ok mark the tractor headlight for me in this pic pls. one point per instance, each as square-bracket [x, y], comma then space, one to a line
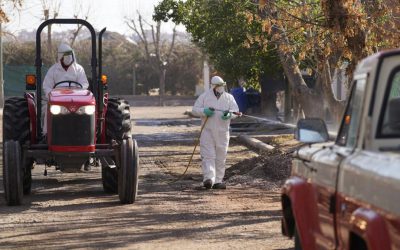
[57, 109]
[87, 110]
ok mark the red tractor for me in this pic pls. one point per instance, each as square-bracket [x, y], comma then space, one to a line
[83, 126]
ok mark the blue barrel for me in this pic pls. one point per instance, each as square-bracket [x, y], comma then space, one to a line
[241, 98]
[254, 98]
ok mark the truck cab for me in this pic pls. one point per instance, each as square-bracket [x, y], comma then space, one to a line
[346, 194]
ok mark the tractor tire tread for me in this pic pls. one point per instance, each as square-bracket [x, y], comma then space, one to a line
[118, 127]
[117, 119]
[16, 126]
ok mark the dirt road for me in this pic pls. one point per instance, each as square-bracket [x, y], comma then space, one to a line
[69, 210]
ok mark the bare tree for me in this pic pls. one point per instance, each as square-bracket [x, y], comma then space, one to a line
[79, 12]
[155, 51]
[51, 9]
[16, 4]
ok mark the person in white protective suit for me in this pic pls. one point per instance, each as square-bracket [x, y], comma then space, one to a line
[214, 140]
[66, 69]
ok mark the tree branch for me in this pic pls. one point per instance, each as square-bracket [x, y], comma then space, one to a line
[171, 48]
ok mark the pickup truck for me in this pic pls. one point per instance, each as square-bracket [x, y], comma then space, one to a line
[346, 194]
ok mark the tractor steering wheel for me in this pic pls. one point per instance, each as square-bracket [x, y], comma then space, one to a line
[69, 84]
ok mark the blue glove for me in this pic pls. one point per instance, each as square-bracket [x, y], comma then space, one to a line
[226, 116]
[208, 112]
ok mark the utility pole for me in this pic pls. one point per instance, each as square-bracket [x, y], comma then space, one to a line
[162, 82]
[134, 76]
[1, 67]
[206, 75]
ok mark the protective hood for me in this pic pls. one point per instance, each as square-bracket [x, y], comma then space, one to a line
[65, 48]
[216, 80]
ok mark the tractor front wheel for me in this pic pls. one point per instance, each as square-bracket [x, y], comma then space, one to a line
[12, 173]
[128, 171]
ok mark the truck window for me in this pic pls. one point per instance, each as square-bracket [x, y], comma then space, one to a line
[347, 135]
[389, 125]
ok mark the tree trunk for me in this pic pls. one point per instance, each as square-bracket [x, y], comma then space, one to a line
[335, 108]
[49, 46]
[270, 85]
[303, 95]
[288, 103]
[162, 85]
[268, 103]
[307, 98]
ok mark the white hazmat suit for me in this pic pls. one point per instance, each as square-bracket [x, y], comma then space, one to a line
[57, 73]
[214, 140]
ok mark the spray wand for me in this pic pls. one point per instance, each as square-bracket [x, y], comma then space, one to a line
[250, 116]
[227, 111]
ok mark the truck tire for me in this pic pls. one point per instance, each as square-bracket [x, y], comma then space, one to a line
[12, 173]
[128, 171]
[16, 126]
[118, 127]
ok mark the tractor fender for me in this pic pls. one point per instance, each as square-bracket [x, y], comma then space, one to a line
[32, 116]
[304, 211]
[370, 226]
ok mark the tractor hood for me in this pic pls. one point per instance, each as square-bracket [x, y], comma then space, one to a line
[67, 96]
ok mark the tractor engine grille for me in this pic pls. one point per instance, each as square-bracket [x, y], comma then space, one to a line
[72, 130]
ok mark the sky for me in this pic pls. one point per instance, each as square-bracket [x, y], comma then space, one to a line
[103, 13]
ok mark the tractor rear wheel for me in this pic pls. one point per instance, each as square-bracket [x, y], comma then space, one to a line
[128, 171]
[118, 119]
[12, 173]
[118, 124]
[16, 126]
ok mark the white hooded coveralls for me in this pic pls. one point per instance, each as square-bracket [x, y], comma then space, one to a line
[214, 140]
[56, 74]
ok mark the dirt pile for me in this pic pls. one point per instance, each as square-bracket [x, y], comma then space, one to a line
[270, 169]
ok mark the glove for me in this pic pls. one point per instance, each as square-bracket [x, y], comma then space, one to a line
[226, 115]
[208, 112]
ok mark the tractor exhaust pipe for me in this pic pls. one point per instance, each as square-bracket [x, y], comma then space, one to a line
[101, 52]
[100, 91]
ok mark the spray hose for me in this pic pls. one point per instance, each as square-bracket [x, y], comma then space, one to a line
[194, 150]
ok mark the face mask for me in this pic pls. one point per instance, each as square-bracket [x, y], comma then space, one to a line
[220, 89]
[68, 60]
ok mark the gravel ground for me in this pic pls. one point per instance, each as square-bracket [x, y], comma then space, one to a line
[70, 210]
